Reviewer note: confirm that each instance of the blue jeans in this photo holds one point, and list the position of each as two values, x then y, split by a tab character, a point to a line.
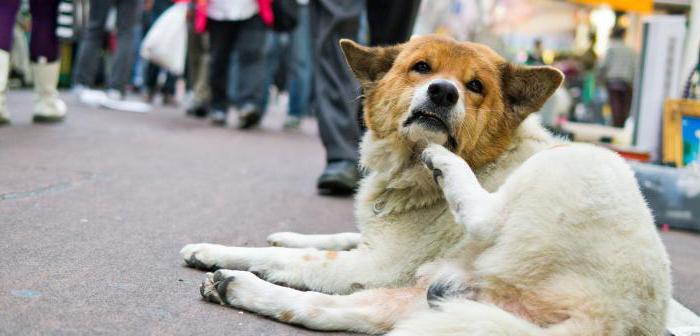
300	67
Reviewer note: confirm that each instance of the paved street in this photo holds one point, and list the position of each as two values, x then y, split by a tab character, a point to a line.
94	211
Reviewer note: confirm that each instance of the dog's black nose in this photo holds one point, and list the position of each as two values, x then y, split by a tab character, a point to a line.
443	93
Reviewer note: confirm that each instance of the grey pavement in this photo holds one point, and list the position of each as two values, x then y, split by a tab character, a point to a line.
94	211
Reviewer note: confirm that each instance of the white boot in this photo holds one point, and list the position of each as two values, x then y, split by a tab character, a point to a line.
4	73
47	106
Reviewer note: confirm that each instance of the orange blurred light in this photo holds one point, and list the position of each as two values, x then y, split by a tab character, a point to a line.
644	6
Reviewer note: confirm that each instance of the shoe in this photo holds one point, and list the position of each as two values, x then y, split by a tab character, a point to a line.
339	177
248	116
150	96
218	117
88	96
196	111
4	73
48	108
115	94
169	100
292	123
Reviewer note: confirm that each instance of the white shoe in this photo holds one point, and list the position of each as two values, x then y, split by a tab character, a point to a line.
47	106
4	73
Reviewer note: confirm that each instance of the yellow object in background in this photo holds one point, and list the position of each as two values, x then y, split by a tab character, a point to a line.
644	6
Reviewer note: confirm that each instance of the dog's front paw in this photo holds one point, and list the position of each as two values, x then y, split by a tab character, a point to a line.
284	239
438	159
231	288
201	256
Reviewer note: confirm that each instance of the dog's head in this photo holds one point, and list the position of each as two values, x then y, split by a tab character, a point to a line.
437	90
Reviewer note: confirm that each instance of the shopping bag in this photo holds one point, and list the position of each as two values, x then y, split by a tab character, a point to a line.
165	43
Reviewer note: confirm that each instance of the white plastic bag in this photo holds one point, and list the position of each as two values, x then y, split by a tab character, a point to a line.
166	41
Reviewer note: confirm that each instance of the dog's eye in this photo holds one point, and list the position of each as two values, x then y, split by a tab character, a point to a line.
475	86
421	67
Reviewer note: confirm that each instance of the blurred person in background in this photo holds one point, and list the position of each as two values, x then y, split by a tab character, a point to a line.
335	88
128	13
197	76
534	57
618	72
153	71
43	55
236	25
298	68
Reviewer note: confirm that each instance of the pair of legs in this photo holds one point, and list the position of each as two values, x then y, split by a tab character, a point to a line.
369	311
298	68
44	42
152	70
43	55
336	90
336	280
620	93
245	38
91	44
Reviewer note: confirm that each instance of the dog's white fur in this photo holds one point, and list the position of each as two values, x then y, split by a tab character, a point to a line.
564	223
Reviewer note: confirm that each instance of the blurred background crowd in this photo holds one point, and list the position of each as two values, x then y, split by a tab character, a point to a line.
622	60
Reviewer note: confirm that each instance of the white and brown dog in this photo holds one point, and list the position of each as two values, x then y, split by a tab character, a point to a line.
474	220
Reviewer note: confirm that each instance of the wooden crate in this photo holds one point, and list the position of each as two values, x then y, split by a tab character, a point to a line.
674	111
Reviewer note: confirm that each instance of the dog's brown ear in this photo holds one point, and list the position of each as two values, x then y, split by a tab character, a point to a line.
369	64
526	89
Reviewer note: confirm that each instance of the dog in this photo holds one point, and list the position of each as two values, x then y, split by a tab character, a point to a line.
474	219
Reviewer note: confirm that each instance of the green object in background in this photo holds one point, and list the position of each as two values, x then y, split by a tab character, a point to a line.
588	92
65	77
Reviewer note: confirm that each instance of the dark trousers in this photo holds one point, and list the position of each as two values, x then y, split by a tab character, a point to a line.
91	45
620	95
248	39
335	88
44	42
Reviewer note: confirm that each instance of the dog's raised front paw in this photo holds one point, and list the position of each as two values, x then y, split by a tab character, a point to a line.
437	159
200	256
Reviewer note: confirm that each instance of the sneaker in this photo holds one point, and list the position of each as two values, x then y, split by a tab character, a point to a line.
292	123
339	177
196	111
218	117
248	116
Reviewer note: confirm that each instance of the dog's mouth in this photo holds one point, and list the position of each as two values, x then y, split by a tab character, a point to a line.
428	118
432	121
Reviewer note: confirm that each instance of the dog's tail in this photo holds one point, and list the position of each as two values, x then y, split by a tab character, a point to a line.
471	318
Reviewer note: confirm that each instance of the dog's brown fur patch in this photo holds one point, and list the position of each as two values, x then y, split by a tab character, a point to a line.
510	92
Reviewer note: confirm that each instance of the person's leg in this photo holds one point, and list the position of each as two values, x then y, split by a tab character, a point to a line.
45	65
221	35
91	44
272	60
251	76
197	72
627	102
127	16
301	69
615	96
150	80
168	89
391	21
8	14
336	92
